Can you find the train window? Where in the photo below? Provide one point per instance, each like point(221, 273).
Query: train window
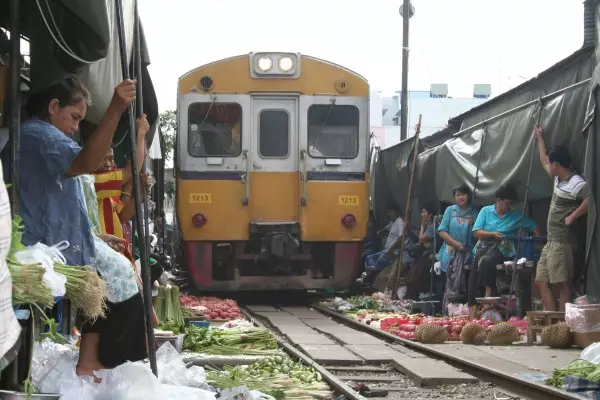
point(274, 134)
point(333, 131)
point(214, 129)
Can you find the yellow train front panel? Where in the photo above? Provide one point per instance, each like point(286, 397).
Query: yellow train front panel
point(274, 196)
point(327, 203)
point(220, 202)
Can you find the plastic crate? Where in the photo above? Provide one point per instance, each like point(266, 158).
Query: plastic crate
point(176, 341)
point(531, 248)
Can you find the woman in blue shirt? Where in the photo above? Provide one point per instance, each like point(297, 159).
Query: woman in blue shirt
point(53, 210)
point(455, 253)
point(496, 228)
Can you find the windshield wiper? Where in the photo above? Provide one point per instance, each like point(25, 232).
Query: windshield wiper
point(214, 100)
point(324, 123)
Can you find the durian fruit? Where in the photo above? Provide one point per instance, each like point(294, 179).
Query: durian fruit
point(502, 334)
point(473, 333)
point(433, 334)
point(557, 336)
point(419, 332)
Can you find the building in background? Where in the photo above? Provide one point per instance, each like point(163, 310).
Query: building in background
point(436, 106)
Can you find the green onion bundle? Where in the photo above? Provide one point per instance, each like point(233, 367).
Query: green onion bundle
point(85, 289)
point(27, 280)
point(28, 286)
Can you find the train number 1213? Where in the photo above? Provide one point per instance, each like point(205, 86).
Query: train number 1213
point(200, 198)
point(349, 201)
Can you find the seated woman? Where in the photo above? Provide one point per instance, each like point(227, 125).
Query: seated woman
point(53, 210)
point(456, 232)
point(496, 228)
point(420, 267)
point(377, 262)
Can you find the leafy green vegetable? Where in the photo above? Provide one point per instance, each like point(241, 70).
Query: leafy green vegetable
point(278, 376)
point(365, 302)
point(253, 341)
point(579, 368)
point(172, 326)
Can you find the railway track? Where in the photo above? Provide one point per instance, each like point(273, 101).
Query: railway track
point(391, 367)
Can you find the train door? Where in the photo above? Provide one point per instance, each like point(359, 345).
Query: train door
point(274, 179)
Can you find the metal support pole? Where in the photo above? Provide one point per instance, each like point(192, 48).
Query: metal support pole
point(481, 147)
point(14, 128)
point(137, 197)
point(404, 101)
point(139, 106)
point(525, 205)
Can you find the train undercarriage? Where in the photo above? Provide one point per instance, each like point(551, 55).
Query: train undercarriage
point(273, 259)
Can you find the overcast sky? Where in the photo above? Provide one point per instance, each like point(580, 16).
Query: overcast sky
point(458, 42)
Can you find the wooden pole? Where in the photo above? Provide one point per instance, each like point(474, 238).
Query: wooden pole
point(398, 263)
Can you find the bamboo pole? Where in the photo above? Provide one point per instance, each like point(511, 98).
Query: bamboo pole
point(397, 268)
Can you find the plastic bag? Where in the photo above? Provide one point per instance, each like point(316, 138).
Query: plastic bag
point(186, 393)
point(51, 364)
point(172, 370)
point(591, 353)
point(129, 381)
point(583, 318)
point(46, 256)
point(456, 310)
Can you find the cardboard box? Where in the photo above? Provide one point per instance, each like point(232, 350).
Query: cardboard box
point(584, 339)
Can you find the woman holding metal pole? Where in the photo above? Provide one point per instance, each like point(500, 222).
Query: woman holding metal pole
point(53, 210)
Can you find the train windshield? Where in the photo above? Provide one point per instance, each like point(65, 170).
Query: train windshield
point(333, 131)
point(214, 129)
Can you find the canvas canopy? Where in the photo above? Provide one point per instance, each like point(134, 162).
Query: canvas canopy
point(560, 94)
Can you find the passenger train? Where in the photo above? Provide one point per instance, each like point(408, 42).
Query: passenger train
point(271, 164)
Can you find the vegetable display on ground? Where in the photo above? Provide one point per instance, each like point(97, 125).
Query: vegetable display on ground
point(278, 376)
point(211, 308)
point(253, 341)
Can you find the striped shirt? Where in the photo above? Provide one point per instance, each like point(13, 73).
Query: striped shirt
point(567, 196)
point(108, 187)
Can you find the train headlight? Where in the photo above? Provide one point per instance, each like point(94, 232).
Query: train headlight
point(349, 221)
point(274, 65)
point(264, 64)
point(286, 64)
point(199, 220)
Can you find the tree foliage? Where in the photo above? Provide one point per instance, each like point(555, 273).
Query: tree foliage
point(168, 126)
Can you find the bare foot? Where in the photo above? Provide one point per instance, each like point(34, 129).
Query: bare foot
point(84, 369)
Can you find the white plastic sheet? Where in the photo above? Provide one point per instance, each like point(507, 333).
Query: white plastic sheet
point(172, 370)
point(591, 353)
point(53, 371)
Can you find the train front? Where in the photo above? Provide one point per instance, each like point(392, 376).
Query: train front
point(272, 173)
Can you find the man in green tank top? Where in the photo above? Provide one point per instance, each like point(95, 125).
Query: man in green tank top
point(569, 203)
